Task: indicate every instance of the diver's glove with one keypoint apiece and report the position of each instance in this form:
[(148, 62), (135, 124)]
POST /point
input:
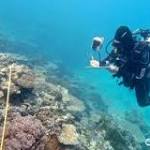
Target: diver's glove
[(112, 68), (94, 63)]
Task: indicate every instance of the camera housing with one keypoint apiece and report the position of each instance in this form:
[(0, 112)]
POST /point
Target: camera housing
[(97, 43)]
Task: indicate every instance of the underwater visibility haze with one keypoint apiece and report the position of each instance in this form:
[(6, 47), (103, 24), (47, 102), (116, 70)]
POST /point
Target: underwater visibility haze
[(63, 104)]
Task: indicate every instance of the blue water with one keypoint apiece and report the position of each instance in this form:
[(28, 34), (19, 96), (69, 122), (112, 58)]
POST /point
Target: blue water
[(63, 29)]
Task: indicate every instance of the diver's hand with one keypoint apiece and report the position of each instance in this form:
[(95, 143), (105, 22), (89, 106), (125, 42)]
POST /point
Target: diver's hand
[(94, 63), (112, 68)]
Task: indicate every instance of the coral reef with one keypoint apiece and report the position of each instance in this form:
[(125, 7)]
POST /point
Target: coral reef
[(136, 118), (133, 129), (104, 133), (55, 114)]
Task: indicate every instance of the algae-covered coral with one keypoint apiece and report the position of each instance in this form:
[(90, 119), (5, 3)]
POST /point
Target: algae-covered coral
[(52, 113)]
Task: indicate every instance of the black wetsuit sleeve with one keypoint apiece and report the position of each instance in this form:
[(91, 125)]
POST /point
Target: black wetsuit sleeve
[(109, 59)]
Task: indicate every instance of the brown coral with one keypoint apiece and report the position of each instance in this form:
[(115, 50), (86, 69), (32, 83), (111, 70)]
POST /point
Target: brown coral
[(53, 143)]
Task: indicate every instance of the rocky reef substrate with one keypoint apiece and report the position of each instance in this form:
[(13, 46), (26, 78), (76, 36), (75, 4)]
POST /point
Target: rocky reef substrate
[(50, 110)]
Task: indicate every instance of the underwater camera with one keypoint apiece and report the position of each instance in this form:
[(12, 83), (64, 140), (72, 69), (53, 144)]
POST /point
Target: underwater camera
[(97, 43)]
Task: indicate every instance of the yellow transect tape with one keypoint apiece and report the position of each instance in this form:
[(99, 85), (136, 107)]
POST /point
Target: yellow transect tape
[(6, 108)]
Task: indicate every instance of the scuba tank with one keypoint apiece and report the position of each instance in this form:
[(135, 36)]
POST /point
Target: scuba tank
[(142, 34)]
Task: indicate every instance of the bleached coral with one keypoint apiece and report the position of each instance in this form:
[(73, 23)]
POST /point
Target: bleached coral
[(22, 76), (69, 135)]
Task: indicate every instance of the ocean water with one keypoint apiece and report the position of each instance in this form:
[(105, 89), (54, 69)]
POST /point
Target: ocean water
[(63, 30)]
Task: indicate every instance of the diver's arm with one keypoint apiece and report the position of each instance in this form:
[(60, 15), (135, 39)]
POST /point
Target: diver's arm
[(111, 67), (108, 62), (110, 58)]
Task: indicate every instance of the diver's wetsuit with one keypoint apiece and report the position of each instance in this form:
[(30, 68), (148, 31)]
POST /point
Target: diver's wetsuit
[(134, 69)]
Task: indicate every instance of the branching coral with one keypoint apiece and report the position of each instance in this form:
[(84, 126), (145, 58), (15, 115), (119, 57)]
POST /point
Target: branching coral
[(25, 133)]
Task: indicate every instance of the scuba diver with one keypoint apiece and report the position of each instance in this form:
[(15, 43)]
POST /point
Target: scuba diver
[(129, 60)]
